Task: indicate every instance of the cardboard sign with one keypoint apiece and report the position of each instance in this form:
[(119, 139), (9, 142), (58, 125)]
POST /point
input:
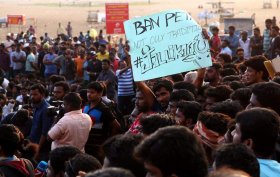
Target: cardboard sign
[(166, 43), (116, 14)]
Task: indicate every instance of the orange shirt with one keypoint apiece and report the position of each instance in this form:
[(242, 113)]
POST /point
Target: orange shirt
[(79, 65)]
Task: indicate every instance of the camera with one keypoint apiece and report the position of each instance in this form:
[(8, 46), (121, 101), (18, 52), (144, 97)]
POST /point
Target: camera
[(57, 108)]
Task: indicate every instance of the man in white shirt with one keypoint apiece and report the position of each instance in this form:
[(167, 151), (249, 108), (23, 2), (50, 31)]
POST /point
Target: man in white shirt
[(244, 43), (74, 127)]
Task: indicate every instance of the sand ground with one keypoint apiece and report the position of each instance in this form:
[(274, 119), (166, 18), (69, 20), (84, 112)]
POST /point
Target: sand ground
[(47, 13)]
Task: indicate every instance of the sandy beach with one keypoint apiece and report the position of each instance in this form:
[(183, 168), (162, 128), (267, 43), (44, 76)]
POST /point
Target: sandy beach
[(45, 15)]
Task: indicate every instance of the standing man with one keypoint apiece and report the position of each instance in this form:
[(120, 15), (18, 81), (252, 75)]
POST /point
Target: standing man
[(4, 59), (74, 127), (108, 77), (244, 43), (256, 43), (41, 123), (18, 58), (102, 54), (266, 36), (233, 40), (215, 41), (274, 50), (69, 29), (49, 62), (125, 88)]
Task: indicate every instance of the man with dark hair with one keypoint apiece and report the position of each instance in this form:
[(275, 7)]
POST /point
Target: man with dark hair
[(239, 58), (274, 49), (215, 41), (10, 165), (58, 158), (163, 89), (225, 48), (124, 158), (256, 71), (256, 43), (242, 95), (258, 128), (153, 122), (104, 122), (178, 153), (224, 58), (211, 128), (266, 36), (81, 163), (108, 77), (228, 107), (74, 127), (237, 157), (61, 88), (183, 85), (244, 43), (187, 112), (41, 123), (176, 97), (212, 74), (267, 95), (233, 40), (216, 94), (102, 54)]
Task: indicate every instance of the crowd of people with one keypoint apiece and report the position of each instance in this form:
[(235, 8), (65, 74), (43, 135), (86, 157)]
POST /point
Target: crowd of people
[(72, 102)]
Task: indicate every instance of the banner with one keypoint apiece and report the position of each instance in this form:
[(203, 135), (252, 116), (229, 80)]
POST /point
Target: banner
[(166, 43), (116, 14)]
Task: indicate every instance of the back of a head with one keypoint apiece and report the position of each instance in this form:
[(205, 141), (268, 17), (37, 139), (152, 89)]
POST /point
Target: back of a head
[(153, 122), (219, 93), (119, 152), (181, 95), (228, 107), (190, 109), (60, 155), (238, 157), (174, 150), (164, 83), (216, 122), (268, 95), (82, 162), (74, 100), (111, 172), (242, 95), (9, 140), (185, 86), (261, 125)]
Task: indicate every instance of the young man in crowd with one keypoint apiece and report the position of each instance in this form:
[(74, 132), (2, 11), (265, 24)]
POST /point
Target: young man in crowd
[(108, 77), (258, 129), (256, 71), (233, 40), (244, 43), (187, 156), (62, 133), (163, 89), (256, 43), (41, 122)]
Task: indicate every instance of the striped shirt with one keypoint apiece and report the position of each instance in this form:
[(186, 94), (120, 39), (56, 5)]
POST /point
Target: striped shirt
[(266, 40), (125, 83)]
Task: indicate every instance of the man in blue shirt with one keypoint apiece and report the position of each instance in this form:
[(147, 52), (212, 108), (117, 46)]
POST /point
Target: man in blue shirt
[(233, 40), (41, 123), (258, 129)]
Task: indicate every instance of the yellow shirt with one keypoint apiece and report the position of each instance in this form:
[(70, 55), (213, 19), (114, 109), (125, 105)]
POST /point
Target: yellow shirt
[(101, 57)]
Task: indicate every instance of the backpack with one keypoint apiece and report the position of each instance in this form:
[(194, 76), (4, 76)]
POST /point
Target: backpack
[(11, 171)]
